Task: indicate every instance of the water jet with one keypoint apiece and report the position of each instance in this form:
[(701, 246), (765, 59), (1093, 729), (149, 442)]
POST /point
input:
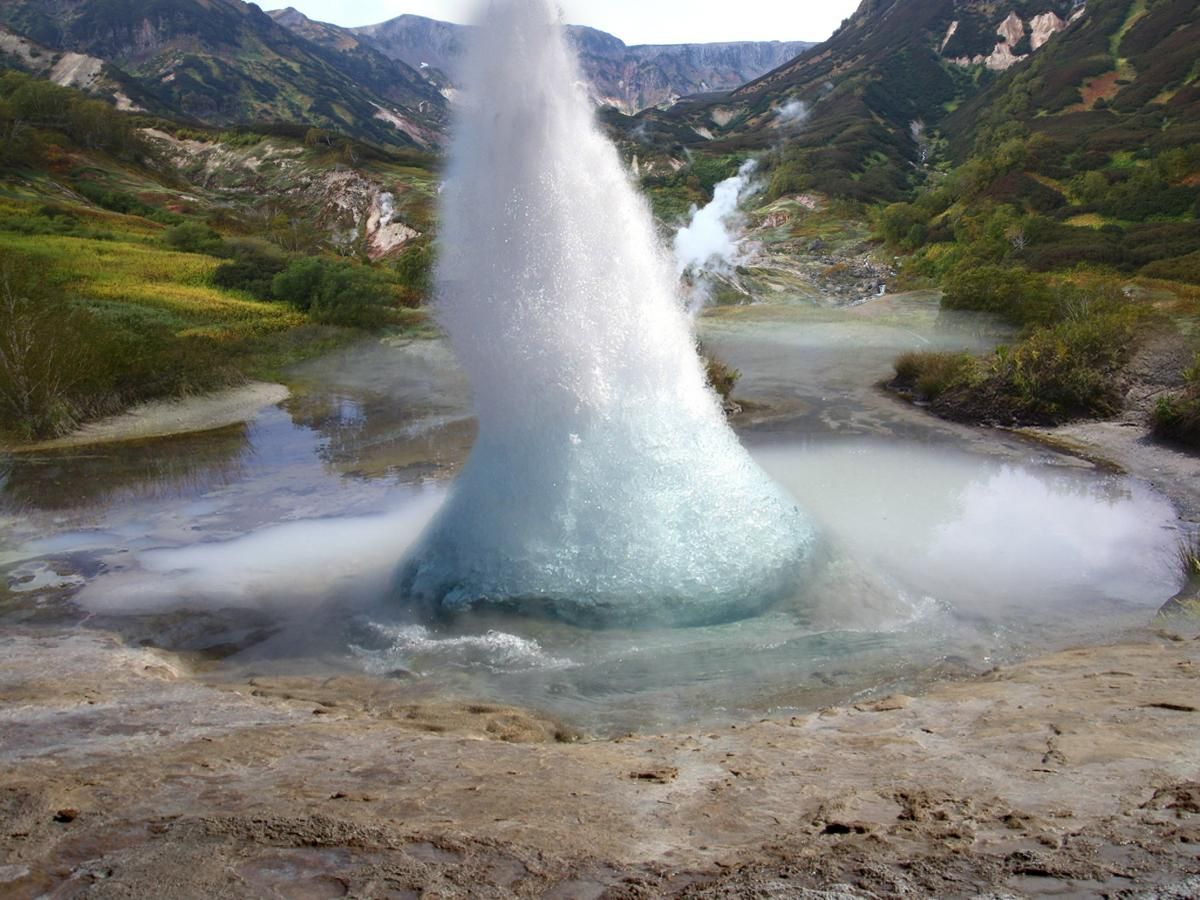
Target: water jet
[(605, 487)]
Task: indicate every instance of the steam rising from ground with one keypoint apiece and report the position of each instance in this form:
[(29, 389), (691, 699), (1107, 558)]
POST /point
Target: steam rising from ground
[(710, 243), (792, 114), (605, 486)]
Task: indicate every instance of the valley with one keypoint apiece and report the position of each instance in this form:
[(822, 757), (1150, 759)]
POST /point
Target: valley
[(369, 527)]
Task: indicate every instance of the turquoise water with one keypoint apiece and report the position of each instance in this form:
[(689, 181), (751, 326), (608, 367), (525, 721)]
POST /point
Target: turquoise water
[(271, 547)]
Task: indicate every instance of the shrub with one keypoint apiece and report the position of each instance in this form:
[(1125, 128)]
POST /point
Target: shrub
[(252, 269), (929, 375), (1067, 371), (1177, 417), (61, 364), (192, 237), (722, 377), (335, 293), (1017, 296), (43, 352), (1183, 268), (414, 269)]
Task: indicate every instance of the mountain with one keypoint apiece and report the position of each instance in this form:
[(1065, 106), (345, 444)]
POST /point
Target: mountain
[(227, 62), (74, 70), (856, 113), (629, 78), (1126, 79)]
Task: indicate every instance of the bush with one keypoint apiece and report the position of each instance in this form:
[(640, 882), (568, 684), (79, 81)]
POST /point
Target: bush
[(1177, 418), (414, 269), (335, 293), (252, 269), (929, 375), (721, 377), (1183, 268), (1017, 296), (192, 237), (1066, 372), (43, 352), (61, 364)]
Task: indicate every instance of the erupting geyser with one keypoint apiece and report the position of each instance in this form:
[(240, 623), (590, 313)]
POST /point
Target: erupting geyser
[(605, 487)]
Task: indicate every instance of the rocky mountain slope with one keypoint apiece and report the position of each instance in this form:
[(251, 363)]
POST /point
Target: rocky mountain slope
[(860, 108), (1126, 79), (77, 70), (227, 62), (629, 78)]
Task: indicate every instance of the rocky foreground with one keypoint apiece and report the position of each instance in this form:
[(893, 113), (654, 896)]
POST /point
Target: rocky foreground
[(122, 774)]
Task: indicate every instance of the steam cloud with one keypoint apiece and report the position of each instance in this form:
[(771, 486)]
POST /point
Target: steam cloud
[(709, 243), (794, 113)]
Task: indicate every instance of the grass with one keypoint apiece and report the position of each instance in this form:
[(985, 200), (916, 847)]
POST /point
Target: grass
[(929, 375), (1189, 557), (1056, 374), (1176, 418), (174, 285)]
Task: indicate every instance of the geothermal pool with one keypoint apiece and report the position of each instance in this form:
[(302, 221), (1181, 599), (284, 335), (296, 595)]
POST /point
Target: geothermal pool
[(271, 548)]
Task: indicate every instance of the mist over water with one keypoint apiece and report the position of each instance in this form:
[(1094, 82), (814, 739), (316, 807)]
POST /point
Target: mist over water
[(605, 486)]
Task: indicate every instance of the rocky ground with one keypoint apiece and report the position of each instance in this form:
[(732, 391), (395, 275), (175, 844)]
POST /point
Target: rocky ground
[(124, 774)]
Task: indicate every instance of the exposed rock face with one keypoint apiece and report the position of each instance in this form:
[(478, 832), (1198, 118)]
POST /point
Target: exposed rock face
[(630, 78), (353, 209), (1044, 27), (1012, 31)]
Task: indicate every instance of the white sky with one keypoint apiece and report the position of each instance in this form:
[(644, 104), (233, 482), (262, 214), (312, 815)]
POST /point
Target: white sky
[(633, 21)]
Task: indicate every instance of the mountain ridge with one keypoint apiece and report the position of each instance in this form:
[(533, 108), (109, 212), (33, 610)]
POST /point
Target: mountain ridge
[(629, 77), (226, 62)]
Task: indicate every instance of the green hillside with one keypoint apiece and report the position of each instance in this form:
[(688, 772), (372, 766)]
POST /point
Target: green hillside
[(1074, 214), (226, 62), (142, 259)]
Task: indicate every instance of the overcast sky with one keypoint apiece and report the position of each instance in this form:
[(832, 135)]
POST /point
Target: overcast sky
[(633, 21)]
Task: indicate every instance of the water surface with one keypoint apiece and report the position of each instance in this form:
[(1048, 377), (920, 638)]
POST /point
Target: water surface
[(271, 546)]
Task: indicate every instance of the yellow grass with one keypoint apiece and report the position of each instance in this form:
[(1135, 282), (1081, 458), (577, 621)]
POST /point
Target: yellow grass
[(147, 276)]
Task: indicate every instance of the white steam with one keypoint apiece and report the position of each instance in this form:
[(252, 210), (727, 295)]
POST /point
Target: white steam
[(792, 114), (710, 244)]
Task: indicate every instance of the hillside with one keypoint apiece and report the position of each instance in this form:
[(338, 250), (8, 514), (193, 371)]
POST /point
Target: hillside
[(143, 259), (628, 78), (859, 113), (1075, 215), (226, 62), (1128, 77)]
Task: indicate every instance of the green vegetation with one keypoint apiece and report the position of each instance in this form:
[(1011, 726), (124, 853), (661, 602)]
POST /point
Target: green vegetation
[(672, 196), (36, 115), (63, 362), (1177, 417), (1048, 238), (123, 280), (722, 377), (1057, 373)]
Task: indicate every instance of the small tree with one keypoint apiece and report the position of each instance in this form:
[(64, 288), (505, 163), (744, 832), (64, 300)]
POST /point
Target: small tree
[(43, 352)]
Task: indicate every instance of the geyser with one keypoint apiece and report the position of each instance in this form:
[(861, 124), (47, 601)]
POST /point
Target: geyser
[(605, 487)]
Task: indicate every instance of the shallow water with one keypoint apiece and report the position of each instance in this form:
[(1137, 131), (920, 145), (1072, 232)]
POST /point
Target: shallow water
[(271, 546)]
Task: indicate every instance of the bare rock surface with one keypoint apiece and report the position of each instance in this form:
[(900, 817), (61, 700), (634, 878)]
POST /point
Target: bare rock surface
[(123, 775)]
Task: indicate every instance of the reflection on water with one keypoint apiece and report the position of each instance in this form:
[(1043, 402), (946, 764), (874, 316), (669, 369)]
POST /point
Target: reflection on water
[(123, 473), (270, 545)]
